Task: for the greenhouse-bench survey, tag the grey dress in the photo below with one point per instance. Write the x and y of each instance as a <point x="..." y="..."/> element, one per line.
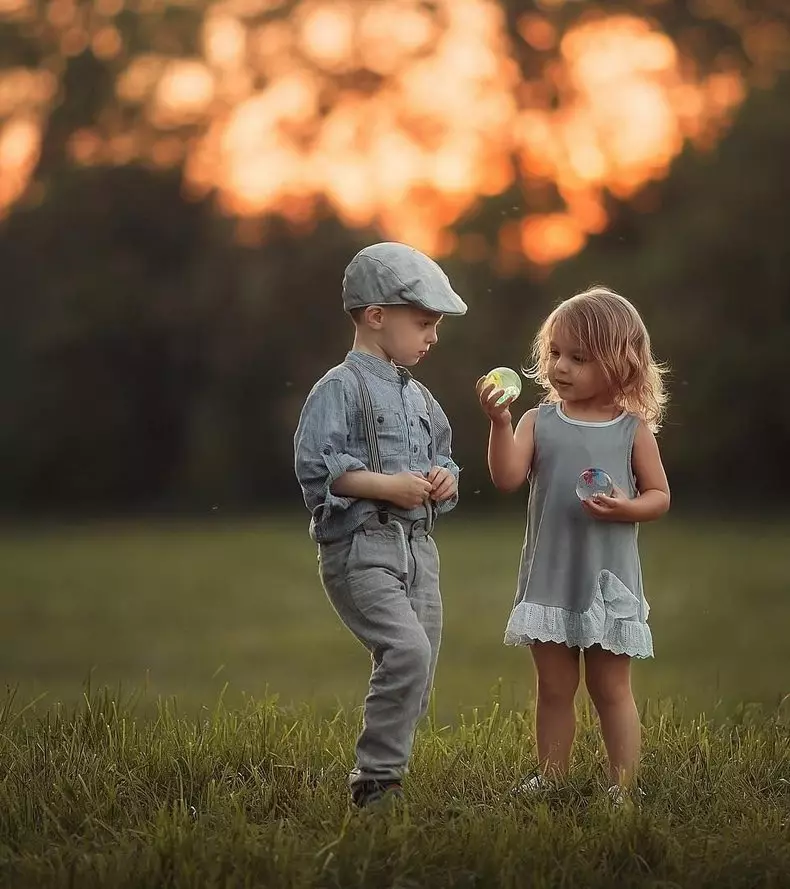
<point x="580" y="580"/>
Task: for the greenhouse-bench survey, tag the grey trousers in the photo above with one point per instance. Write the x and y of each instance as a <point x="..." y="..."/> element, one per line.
<point x="383" y="582"/>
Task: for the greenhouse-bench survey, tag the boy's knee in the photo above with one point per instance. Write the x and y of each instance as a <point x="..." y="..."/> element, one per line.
<point x="412" y="659"/>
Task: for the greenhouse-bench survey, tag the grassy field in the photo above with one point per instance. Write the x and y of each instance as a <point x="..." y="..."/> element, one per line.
<point x="224" y="786"/>
<point x="184" y="608"/>
<point x="256" y="797"/>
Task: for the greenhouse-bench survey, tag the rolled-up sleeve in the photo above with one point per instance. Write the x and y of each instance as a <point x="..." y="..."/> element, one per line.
<point x="444" y="451"/>
<point x="320" y="449"/>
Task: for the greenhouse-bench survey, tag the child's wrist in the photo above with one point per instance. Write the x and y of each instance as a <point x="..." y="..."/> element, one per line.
<point x="382" y="486"/>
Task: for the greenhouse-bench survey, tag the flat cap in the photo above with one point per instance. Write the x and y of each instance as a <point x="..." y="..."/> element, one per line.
<point x="392" y="274"/>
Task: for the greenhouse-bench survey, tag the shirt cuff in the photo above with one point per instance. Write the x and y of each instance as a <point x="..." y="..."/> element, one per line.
<point x="337" y="464"/>
<point x="451" y="502"/>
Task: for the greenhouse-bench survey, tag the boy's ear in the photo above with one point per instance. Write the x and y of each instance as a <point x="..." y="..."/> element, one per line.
<point x="374" y="316"/>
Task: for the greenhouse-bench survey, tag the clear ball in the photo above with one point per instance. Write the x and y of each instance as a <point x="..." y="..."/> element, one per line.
<point x="594" y="481"/>
<point x="504" y="378"/>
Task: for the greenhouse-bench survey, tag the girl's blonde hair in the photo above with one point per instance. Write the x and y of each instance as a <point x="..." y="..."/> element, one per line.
<point x="611" y="330"/>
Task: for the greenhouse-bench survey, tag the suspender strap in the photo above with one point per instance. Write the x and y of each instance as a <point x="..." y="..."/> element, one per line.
<point x="367" y="414"/>
<point x="370" y="431"/>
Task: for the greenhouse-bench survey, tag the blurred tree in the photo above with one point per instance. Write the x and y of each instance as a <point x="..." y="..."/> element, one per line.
<point x="158" y="339"/>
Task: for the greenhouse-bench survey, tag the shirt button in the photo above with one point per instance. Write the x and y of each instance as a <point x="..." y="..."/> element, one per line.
<point x="380" y="419"/>
<point x="415" y="449"/>
<point x="327" y="450"/>
<point x="411" y="422"/>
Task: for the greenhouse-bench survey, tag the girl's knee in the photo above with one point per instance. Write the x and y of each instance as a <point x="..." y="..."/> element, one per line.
<point x="556" y="691"/>
<point x="609" y="691"/>
<point x="557" y="669"/>
<point x="608" y="678"/>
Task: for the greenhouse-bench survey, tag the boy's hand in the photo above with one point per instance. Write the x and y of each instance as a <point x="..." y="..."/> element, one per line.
<point x="408" y="489"/>
<point x="444" y="485"/>
<point x="488" y="395"/>
<point x="617" y="508"/>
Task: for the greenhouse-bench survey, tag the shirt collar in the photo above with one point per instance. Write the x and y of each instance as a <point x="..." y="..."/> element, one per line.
<point x="379" y="367"/>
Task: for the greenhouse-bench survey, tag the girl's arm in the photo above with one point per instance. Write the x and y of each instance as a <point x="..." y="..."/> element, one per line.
<point x="510" y="454"/>
<point x="651" y="480"/>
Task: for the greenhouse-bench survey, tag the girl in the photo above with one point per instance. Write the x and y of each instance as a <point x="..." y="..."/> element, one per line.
<point x="580" y="583"/>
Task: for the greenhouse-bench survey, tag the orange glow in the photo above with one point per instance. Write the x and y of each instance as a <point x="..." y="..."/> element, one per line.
<point x="167" y="152"/>
<point x="20" y="144"/>
<point x="398" y="115"/>
<point x="13" y="8"/>
<point x="326" y="33"/>
<point x="74" y="42"/>
<point x="137" y="82"/>
<point x="224" y="42"/>
<point x="183" y="93"/>
<point x="273" y="49"/>
<point x="106" y="43"/>
<point x="624" y="113"/>
<point x="22" y="88"/>
<point x="123" y="149"/>
<point x="550" y="238"/>
<point x="586" y="209"/>
<point x="61" y="13"/>
<point x="537" y="31"/>
<point x="109" y="8"/>
<point x="85" y="147"/>
<point x="388" y="31"/>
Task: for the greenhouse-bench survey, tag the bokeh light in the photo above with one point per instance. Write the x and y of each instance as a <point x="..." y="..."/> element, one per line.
<point x="394" y="114"/>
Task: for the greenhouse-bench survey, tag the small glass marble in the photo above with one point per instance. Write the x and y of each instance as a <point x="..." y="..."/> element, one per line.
<point x="593" y="481"/>
<point x="504" y="378"/>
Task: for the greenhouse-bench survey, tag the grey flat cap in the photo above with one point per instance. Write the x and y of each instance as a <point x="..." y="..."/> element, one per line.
<point x="392" y="274"/>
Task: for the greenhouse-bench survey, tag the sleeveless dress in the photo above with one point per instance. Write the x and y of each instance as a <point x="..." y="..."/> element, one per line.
<point x="580" y="579"/>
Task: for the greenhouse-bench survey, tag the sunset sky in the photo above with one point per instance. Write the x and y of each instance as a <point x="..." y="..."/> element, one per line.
<point x="381" y="112"/>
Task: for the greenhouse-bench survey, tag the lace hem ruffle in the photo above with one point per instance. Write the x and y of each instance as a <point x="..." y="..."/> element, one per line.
<point x="612" y="621"/>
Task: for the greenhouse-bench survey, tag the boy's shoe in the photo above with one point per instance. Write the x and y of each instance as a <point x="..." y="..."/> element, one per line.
<point x="538" y="783"/>
<point x="375" y="793"/>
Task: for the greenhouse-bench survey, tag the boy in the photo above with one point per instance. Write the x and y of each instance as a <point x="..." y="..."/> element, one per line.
<point x="373" y="458"/>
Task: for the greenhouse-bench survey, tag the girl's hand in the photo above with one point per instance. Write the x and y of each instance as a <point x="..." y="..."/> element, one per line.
<point x="498" y="414"/>
<point x="616" y="508"/>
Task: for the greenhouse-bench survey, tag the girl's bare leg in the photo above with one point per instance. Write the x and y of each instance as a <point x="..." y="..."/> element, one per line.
<point x="557" y="668"/>
<point x="608" y="678"/>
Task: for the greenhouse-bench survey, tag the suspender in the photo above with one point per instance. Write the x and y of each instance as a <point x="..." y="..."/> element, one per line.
<point x="367" y="416"/>
<point x="372" y="440"/>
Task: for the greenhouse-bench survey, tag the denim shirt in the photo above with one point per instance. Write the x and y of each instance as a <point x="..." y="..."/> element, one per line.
<point x="330" y="440"/>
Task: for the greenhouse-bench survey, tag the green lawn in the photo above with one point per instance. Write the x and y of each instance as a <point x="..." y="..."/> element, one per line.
<point x="186" y="607"/>
<point x="256" y="797"/>
<point x="102" y="792"/>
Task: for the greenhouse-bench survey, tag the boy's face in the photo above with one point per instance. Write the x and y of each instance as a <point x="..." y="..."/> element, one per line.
<point x="404" y="333"/>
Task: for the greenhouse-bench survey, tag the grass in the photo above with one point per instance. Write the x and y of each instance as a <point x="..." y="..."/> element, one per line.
<point x="203" y="778"/>
<point x="92" y="796"/>
<point x="183" y="608"/>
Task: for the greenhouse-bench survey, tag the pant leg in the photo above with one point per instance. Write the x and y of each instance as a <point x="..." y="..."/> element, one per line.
<point x="425" y="597"/>
<point x="366" y="580"/>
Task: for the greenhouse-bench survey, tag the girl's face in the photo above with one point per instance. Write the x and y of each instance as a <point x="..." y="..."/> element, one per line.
<point x="572" y="371"/>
